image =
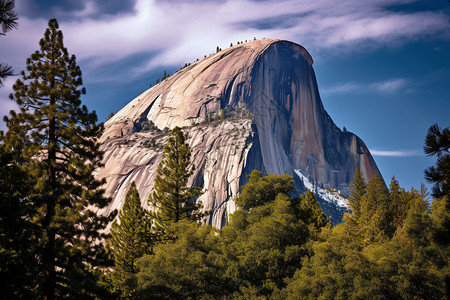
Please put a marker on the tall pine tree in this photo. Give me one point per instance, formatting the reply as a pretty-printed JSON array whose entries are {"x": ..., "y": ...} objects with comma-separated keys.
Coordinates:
[
  {"x": 171, "y": 196},
  {"x": 59, "y": 149},
  {"x": 131, "y": 238},
  {"x": 358, "y": 189},
  {"x": 374, "y": 209}
]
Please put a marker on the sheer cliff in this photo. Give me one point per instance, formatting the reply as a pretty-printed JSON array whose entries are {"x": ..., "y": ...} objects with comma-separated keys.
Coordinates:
[{"x": 274, "y": 121}]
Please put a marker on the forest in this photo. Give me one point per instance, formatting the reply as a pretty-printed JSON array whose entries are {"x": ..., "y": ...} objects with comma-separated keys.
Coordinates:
[{"x": 394, "y": 243}]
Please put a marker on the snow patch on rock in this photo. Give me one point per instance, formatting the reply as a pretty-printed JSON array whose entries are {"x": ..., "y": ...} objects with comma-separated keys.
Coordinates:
[{"x": 324, "y": 194}]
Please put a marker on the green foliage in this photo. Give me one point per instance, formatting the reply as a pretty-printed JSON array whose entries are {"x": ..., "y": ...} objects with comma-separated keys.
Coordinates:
[
  {"x": 275, "y": 247},
  {"x": 8, "y": 21},
  {"x": 437, "y": 143},
  {"x": 54, "y": 139},
  {"x": 250, "y": 257},
  {"x": 171, "y": 196},
  {"x": 8, "y": 18},
  {"x": 388, "y": 254},
  {"x": 17, "y": 232},
  {"x": 374, "y": 210},
  {"x": 183, "y": 268},
  {"x": 5, "y": 71},
  {"x": 111, "y": 114},
  {"x": 358, "y": 189},
  {"x": 264, "y": 246},
  {"x": 310, "y": 211},
  {"x": 260, "y": 190},
  {"x": 333, "y": 271},
  {"x": 131, "y": 238}
]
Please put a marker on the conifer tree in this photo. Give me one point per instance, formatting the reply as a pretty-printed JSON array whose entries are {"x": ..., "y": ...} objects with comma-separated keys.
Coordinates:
[
  {"x": 311, "y": 213},
  {"x": 131, "y": 238},
  {"x": 358, "y": 189},
  {"x": 399, "y": 200},
  {"x": 437, "y": 143},
  {"x": 8, "y": 18},
  {"x": 171, "y": 197},
  {"x": 375, "y": 208},
  {"x": 59, "y": 149},
  {"x": 8, "y": 21}
]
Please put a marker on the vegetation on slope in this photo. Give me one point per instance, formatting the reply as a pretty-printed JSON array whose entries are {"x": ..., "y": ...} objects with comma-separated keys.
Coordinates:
[{"x": 391, "y": 245}]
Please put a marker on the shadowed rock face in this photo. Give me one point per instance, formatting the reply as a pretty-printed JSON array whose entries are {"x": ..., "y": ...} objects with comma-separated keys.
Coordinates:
[{"x": 274, "y": 122}]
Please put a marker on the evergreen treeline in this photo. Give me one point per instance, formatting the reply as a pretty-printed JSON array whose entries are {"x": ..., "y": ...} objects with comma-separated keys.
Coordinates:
[
  {"x": 392, "y": 245},
  {"x": 284, "y": 248}
]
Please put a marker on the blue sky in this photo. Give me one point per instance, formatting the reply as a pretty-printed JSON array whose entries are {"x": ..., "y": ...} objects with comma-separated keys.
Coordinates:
[{"x": 382, "y": 66}]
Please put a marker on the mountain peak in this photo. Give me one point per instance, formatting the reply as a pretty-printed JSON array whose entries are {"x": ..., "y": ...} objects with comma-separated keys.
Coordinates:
[
  {"x": 272, "y": 120},
  {"x": 165, "y": 103}
]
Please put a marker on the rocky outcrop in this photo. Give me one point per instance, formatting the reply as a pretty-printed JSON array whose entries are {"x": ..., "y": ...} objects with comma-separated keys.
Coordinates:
[{"x": 274, "y": 122}]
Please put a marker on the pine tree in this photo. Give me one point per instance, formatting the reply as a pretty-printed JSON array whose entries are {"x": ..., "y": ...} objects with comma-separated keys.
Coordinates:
[
  {"x": 59, "y": 149},
  {"x": 375, "y": 208},
  {"x": 311, "y": 213},
  {"x": 131, "y": 238},
  {"x": 8, "y": 21},
  {"x": 437, "y": 143},
  {"x": 358, "y": 189},
  {"x": 171, "y": 197}
]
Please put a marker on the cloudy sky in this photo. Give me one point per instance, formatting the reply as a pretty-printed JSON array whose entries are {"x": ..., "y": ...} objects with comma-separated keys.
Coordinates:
[{"x": 383, "y": 66}]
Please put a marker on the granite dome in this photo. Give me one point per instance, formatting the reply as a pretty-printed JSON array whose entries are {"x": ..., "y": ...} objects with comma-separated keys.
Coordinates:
[{"x": 274, "y": 122}]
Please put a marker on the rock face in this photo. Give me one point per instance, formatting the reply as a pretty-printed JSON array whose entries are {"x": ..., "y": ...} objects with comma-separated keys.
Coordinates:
[{"x": 274, "y": 121}]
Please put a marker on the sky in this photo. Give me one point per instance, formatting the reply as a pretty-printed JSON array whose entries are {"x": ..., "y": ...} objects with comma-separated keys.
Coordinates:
[{"x": 382, "y": 66}]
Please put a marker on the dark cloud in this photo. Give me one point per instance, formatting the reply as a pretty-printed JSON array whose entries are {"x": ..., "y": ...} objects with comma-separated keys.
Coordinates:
[
  {"x": 170, "y": 2},
  {"x": 115, "y": 7},
  {"x": 282, "y": 21},
  {"x": 73, "y": 9},
  {"x": 423, "y": 5}
]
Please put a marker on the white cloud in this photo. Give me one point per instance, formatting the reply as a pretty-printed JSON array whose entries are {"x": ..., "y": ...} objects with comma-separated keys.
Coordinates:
[
  {"x": 385, "y": 87},
  {"x": 342, "y": 88},
  {"x": 184, "y": 30},
  {"x": 389, "y": 86},
  {"x": 396, "y": 153},
  {"x": 181, "y": 31}
]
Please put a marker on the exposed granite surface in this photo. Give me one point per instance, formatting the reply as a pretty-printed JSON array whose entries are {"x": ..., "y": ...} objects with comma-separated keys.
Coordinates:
[{"x": 274, "y": 122}]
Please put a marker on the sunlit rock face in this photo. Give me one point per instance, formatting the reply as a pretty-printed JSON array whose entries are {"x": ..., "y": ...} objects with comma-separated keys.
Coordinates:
[{"x": 274, "y": 122}]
